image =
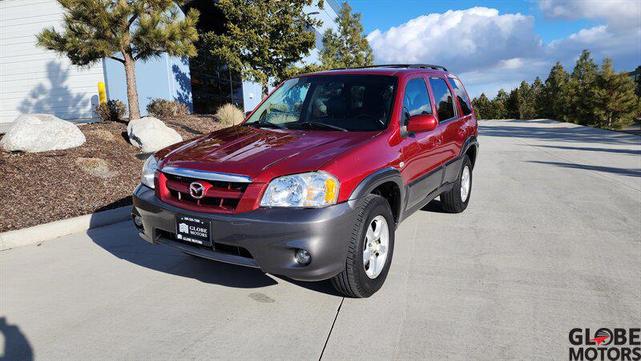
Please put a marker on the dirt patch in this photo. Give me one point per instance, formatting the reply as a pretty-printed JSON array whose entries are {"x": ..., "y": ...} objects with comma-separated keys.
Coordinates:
[
  {"x": 95, "y": 167},
  {"x": 193, "y": 125},
  {"x": 101, "y": 134},
  {"x": 101, "y": 174}
]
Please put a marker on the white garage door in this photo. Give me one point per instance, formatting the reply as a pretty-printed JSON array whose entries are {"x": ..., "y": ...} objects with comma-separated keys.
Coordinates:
[{"x": 35, "y": 80}]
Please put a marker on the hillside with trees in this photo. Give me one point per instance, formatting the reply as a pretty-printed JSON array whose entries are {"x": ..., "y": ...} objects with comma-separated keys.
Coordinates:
[{"x": 589, "y": 95}]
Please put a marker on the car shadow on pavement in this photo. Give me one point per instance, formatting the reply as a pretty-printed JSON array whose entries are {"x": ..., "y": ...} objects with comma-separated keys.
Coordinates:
[
  {"x": 321, "y": 286},
  {"x": 434, "y": 206},
  {"x": 16, "y": 344},
  {"x": 122, "y": 241}
]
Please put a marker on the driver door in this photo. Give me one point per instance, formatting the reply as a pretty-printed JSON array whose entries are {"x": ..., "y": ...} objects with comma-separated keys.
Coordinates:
[{"x": 422, "y": 170}]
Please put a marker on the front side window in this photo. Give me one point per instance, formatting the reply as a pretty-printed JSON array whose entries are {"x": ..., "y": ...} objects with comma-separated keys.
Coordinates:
[
  {"x": 416, "y": 101},
  {"x": 461, "y": 95},
  {"x": 443, "y": 99},
  {"x": 329, "y": 102}
]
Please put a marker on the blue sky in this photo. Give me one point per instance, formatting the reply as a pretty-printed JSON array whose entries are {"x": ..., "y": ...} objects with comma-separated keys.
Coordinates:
[
  {"x": 383, "y": 14},
  {"x": 496, "y": 44}
]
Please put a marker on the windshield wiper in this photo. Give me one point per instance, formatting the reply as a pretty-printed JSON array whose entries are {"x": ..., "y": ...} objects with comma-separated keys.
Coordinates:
[
  {"x": 265, "y": 124},
  {"x": 320, "y": 125}
]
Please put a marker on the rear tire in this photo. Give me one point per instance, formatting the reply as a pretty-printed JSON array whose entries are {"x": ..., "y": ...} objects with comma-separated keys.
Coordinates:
[
  {"x": 370, "y": 249},
  {"x": 456, "y": 199}
]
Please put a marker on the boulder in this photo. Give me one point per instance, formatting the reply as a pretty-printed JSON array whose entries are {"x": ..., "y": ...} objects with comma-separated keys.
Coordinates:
[
  {"x": 151, "y": 134},
  {"x": 40, "y": 133}
]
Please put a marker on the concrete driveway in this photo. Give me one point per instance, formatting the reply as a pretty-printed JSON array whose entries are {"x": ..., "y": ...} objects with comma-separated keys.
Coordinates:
[{"x": 551, "y": 241}]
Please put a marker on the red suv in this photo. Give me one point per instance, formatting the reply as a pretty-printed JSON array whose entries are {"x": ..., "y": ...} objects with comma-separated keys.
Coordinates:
[{"x": 313, "y": 184}]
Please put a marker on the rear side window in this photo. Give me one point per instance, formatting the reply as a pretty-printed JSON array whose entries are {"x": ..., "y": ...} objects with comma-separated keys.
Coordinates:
[
  {"x": 462, "y": 96},
  {"x": 416, "y": 100},
  {"x": 443, "y": 98}
]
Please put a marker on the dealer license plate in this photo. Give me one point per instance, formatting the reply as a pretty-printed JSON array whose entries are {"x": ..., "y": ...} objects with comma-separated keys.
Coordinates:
[{"x": 193, "y": 230}]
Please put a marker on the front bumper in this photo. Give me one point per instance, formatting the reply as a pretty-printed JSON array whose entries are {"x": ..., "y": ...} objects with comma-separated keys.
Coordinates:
[{"x": 270, "y": 235}]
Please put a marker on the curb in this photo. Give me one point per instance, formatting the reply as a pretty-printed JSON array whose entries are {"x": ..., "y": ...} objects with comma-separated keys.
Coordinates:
[{"x": 48, "y": 231}]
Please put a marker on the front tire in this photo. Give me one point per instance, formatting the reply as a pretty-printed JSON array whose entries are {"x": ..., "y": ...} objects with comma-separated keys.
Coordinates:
[
  {"x": 456, "y": 199},
  {"x": 370, "y": 249}
]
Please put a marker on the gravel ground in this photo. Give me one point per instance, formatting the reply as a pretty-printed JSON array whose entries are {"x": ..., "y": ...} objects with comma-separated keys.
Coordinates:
[{"x": 42, "y": 187}]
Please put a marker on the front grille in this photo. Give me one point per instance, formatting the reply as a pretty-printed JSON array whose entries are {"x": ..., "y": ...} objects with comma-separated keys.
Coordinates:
[
  {"x": 218, "y": 196},
  {"x": 235, "y": 250},
  {"x": 217, "y": 247}
]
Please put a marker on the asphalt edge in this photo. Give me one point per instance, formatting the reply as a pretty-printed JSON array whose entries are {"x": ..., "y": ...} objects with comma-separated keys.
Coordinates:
[{"x": 55, "y": 229}]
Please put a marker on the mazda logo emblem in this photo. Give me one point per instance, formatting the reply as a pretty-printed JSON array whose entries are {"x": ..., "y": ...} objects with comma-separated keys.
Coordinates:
[{"x": 196, "y": 190}]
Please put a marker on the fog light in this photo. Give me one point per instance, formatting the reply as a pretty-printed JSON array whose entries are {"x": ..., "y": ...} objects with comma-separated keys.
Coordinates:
[
  {"x": 303, "y": 257},
  {"x": 138, "y": 221}
]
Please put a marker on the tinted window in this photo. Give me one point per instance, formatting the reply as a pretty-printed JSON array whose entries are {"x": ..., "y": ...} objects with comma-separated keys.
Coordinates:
[
  {"x": 462, "y": 96},
  {"x": 416, "y": 100},
  {"x": 443, "y": 98},
  {"x": 352, "y": 102}
]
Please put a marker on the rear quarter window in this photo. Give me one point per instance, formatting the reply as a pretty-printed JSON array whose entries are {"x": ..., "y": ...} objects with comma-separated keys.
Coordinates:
[
  {"x": 443, "y": 99},
  {"x": 461, "y": 95}
]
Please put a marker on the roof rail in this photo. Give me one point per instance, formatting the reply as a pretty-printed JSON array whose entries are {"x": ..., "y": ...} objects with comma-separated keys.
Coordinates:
[{"x": 402, "y": 66}]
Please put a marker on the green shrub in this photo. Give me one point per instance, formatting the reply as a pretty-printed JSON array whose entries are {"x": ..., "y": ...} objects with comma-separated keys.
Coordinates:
[
  {"x": 229, "y": 115},
  {"x": 163, "y": 108},
  {"x": 111, "y": 111}
]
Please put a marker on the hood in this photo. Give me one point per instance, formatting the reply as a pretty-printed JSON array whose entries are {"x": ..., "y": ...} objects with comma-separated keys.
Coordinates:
[{"x": 263, "y": 153}]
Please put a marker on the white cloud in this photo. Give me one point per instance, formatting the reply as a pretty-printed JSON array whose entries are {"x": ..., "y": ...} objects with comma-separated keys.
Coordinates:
[
  {"x": 513, "y": 63},
  {"x": 617, "y": 13},
  {"x": 463, "y": 39},
  {"x": 490, "y": 50},
  {"x": 624, "y": 47},
  {"x": 506, "y": 74}
]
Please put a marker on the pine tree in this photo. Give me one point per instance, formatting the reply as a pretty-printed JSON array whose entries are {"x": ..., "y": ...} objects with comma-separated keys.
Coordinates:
[
  {"x": 580, "y": 88},
  {"x": 637, "y": 80},
  {"x": 348, "y": 48},
  {"x": 615, "y": 99},
  {"x": 525, "y": 101},
  {"x": 499, "y": 104},
  {"x": 536, "y": 92},
  {"x": 554, "y": 100},
  {"x": 125, "y": 31},
  {"x": 263, "y": 38},
  {"x": 483, "y": 107},
  {"x": 294, "y": 71},
  {"x": 512, "y": 105}
]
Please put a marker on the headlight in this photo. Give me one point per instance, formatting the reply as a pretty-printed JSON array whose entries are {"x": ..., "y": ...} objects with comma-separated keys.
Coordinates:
[
  {"x": 314, "y": 189},
  {"x": 149, "y": 171}
]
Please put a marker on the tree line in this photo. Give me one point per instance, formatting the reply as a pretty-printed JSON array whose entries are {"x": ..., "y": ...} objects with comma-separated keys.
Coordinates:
[{"x": 589, "y": 95}]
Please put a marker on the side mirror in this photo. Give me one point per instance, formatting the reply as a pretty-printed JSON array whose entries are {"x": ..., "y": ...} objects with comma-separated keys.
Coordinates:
[{"x": 422, "y": 123}]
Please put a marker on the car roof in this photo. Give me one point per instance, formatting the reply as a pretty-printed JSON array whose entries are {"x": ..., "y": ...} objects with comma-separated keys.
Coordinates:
[{"x": 387, "y": 69}]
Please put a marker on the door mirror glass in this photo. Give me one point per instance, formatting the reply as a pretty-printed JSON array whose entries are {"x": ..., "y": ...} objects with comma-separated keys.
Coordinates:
[{"x": 422, "y": 123}]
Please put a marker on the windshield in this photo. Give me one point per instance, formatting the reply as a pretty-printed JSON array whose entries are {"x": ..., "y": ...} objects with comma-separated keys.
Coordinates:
[{"x": 331, "y": 102}]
